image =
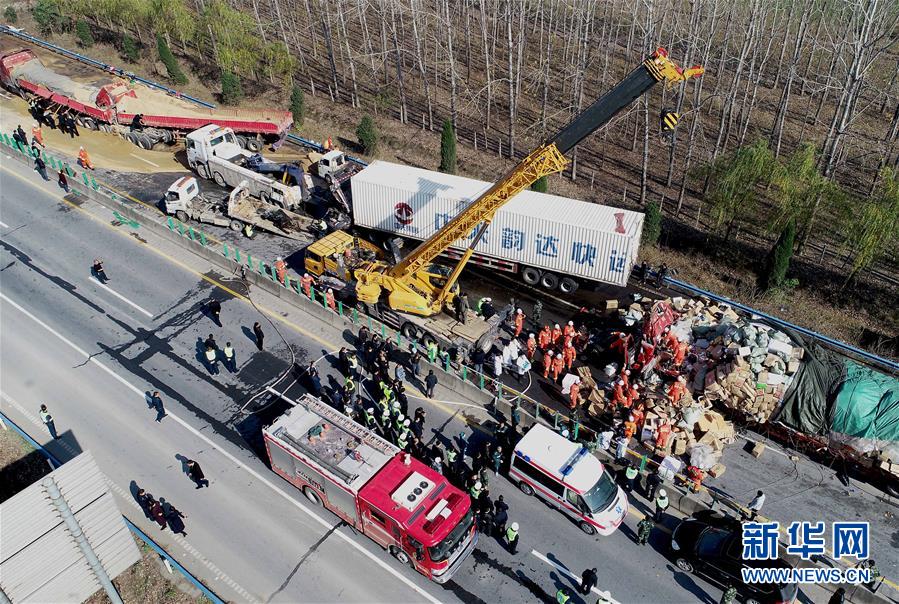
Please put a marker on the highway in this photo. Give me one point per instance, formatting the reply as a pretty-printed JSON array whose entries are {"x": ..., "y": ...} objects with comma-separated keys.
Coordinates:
[{"x": 92, "y": 352}]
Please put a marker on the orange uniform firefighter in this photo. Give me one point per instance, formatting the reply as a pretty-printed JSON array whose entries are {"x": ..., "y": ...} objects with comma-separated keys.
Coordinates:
[
  {"x": 569, "y": 332},
  {"x": 329, "y": 298},
  {"x": 625, "y": 377},
  {"x": 84, "y": 159},
  {"x": 680, "y": 353},
  {"x": 639, "y": 415},
  {"x": 662, "y": 435},
  {"x": 306, "y": 283},
  {"x": 558, "y": 365},
  {"x": 619, "y": 393},
  {"x": 557, "y": 336},
  {"x": 531, "y": 347},
  {"x": 670, "y": 340},
  {"x": 633, "y": 393},
  {"x": 630, "y": 427},
  {"x": 37, "y": 134},
  {"x": 695, "y": 476},
  {"x": 545, "y": 338},
  {"x": 280, "y": 269},
  {"x": 574, "y": 394},
  {"x": 519, "y": 322},
  {"x": 548, "y": 358},
  {"x": 647, "y": 352},
  {"x": 621, "y": 344},
  {"x": 569, "y": 354},
  {"x": 328, "y": 144},
  {"x": 676, "y": 390}
]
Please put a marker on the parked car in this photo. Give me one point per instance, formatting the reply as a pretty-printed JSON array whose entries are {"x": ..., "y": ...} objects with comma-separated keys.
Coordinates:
[{"x": 714, "y": 550}]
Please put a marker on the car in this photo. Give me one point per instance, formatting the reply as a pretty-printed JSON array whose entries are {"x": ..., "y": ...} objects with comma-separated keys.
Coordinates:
[{"x": 714, "y": 550}]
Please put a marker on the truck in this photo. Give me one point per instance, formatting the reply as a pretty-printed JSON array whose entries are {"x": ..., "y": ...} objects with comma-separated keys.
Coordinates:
[
  {"x": 568, "y": 477},
  {"x": 183, "y": 200},
  {"x": 143, "y": 115},
  {"x": 334, "y": 258},
  {"x": 395, "y": 500},
  {"x": 214, "y": 153},
  {"x": 549, "y": 241},
  {"x": 336, "y": 170}
]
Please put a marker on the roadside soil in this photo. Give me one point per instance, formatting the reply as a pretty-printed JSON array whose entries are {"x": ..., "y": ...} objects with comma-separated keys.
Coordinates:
[{"x": 864, "y": 315}]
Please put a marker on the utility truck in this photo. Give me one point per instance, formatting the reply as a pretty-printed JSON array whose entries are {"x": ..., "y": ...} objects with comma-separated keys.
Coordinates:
[
  {"x": 183, "y": 200},
  {"x": 214, "y": 153},
  {"x": 397, "y": 501}
]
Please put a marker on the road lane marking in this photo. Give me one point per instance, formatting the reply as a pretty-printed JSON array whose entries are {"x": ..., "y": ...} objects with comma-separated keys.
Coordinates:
[
  {"x": 121, "y": 297},
  {"x": 565, "y": 571},
  {"x": 348, "y": 540},
  {"x": 143, "y": 159},
  {"x": 128, "y": 499}
]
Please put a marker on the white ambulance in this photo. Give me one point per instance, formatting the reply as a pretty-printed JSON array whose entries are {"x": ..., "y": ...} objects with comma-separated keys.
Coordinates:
[{"x": 570, "y": 478}]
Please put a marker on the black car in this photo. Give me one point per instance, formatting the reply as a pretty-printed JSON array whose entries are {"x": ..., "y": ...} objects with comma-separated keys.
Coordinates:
[{"x": 714, "y": 550}]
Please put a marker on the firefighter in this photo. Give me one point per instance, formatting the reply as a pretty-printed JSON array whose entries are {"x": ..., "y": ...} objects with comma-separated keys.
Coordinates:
[
  {"x": 519, "y": 322},
  {"x": 662, "y": 435},
  {"x": 680, "y": 353},
  {"x": 695, "y": 477},
  {"x": 620, "y": 345},
  {"x": 306, "y": 284},
  {"x": 548, "y": 358},
  {"x": 280, "y": 269},
  {"x": 558, "y": 365},
  {"x": 569, "y": 354},
  {"x": 619, "y": 394},
  {"x": 531, "y": 347},
  {"x": 545, "y": 338},
  {"x": 574, "y": 394},
  {"x": 646, "y": 354},
  {"x": 568, "y": 332},
  {"x": 328, "y": 144},
  {"x": 84, "y": 159},
  {"x": 677, "y": 389},
  {"x": 633, "y": 394},
  {"x": 329, "y": 298},
  {"x": 557, "y": 336},
  {"x": 37, "y": 135}
]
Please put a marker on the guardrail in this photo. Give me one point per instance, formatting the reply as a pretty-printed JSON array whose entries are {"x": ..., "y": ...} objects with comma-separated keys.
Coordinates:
[{"x": 55, "y": 462}]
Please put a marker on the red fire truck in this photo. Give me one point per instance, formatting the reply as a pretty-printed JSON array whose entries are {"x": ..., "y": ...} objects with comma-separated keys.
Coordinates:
[{"x": 406, "y": 507}]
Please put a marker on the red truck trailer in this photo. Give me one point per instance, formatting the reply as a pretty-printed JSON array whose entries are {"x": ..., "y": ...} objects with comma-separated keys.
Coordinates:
[
  {"x": 397, "y": 501},
  {"x": 113, "y": 106}
]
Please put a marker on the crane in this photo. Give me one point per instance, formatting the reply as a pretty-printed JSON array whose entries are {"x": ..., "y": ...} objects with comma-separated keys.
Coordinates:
[{"x": 411, "y": 283}]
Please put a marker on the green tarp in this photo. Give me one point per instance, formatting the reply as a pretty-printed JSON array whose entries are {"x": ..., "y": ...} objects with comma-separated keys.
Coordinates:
[{"x": 867, "y": 404}]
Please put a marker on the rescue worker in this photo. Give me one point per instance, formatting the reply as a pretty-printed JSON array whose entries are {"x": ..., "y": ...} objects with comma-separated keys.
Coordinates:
[
  {"x": 695, "y": 476},
  {"x": 646, "y": 354},
  {"x": 619, "y": 395},
  {"x": 328, "y": 144},
  {"x": 563, "y": 595},
  {"x": 37, "y": 135},
  {"x": 84, "y": 160},
  {"x": 306, "y": 284},
  {"x": 548, "y": 358},
  {"x": 677, "y": 389},
  {"x": 512, "y": 538},
  {"x": 662, "y": 504},
  {"x": 632, "y": 395},
  {"x": 630, "y": 474},
  {"x": 329, "y": 298},
  {"x": 519, "y": 322},
  {"x": 545, "y": 338},
  {"x": 574, "y": 394},
  {"x": 280, "y": 269},
  {"x": 680, "y": 353},
  {"x": 644, "y": 529},
  {"x": 557, "y": 336},
  {"x": 531, "y": 347},
  {"x": 568, "y": 332},
  {"x": 558, "y": 365},
  {"x": 461, "y": 303},
  {"x": 663, "y": 433},
  {"x": 229, "y": 357},
  {"x": 621, "y": 345},
  {"x": 248, "y": 231},
  {"x": 432, "y": 351},
  {"x": 475, "y": 490},
  {"x": 569, "y": 354},
  {"x": 630, "y": 426}
]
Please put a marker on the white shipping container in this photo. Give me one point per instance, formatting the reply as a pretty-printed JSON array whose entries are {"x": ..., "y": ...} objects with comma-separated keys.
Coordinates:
[{"x": 559, "y": 234}]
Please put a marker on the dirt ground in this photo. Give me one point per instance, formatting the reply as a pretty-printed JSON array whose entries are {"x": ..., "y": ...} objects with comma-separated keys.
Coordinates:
[{"x": 20, "y": 464}]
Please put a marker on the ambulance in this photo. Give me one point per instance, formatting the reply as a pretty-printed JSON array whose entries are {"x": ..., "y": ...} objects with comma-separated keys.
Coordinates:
[{"x": 570, "y": 478}]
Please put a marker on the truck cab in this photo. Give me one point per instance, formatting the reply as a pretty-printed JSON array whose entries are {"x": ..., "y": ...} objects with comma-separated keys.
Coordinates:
[
  {"x": 333, "y": 164},
  {"x": 212, "y": 140},
  {"x": 180, "y": 195}
]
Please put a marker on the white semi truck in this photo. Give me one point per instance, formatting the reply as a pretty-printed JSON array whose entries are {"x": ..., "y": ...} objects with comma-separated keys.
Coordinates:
[{"x": 215, "y": 153}]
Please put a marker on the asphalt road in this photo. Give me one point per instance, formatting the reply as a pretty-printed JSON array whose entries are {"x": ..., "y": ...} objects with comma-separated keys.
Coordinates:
[{"x": 91, "y": 352}]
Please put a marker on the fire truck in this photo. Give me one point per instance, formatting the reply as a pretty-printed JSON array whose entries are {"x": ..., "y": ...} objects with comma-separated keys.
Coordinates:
[{"x": 397, "y": 501}]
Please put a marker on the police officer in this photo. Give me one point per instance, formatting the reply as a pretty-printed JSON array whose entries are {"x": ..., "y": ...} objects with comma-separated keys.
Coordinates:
[
  {"x": 662, "y": 504},
  {"x": 630, "y": 474},
  {"x": 512, "y": 538},
  {"x": 230, "y": 361},
  {"x": 563, "y": 595}
]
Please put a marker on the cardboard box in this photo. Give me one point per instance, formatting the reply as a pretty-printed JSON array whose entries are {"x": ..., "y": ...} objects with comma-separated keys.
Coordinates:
[
  {"x": 680, "y": 446},
  {"x": 717, "y": 470},
  {"x": 611, "y": 305},
  {"x": 792, "y": 367},
  {"x": 705, "y": 423},
  {"x": 757, "y": 449}
]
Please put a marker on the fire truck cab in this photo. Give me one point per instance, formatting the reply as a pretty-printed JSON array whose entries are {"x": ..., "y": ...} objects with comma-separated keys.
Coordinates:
[
  {"x": 397, "y": 501},
  {"x": 570, "y": 478}
]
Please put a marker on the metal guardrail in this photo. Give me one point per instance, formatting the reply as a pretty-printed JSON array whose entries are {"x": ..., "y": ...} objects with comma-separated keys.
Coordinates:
[{"x": 134, "y": 529}]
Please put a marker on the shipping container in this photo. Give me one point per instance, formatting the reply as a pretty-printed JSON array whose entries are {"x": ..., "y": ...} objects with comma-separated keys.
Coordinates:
[{"x": 547, "y": 239}]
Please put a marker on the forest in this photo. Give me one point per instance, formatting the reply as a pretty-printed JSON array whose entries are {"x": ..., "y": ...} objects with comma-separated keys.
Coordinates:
[{"x": 794, "y": 126}]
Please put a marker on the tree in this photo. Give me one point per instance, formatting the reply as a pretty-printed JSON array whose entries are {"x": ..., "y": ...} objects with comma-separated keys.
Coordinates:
[
  {"x": 48, "y": 16},
  {"x": 733, "y": 182},
  {"x": 130, "y": 49},
  {"x": 233, "y": 37},
  {"x": 297, "y": 105},
  {"x": 874, "y": 229},
  {"x": 798, "y": 185},
  {"x": 9, "y": 13},
  {"x": 83, "y": 33},
  {"x": 168, "y": 59},
  {"x": 652, "y": 224},
  {"x": 777, "y": 263},
  {"x": 232, "y": 92},
  {"x": 368, "y": 135},
  {"x": 448, "y": 148},
  {"x": 541, "y": 185},
  {"x": 277, "y": 61}
]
